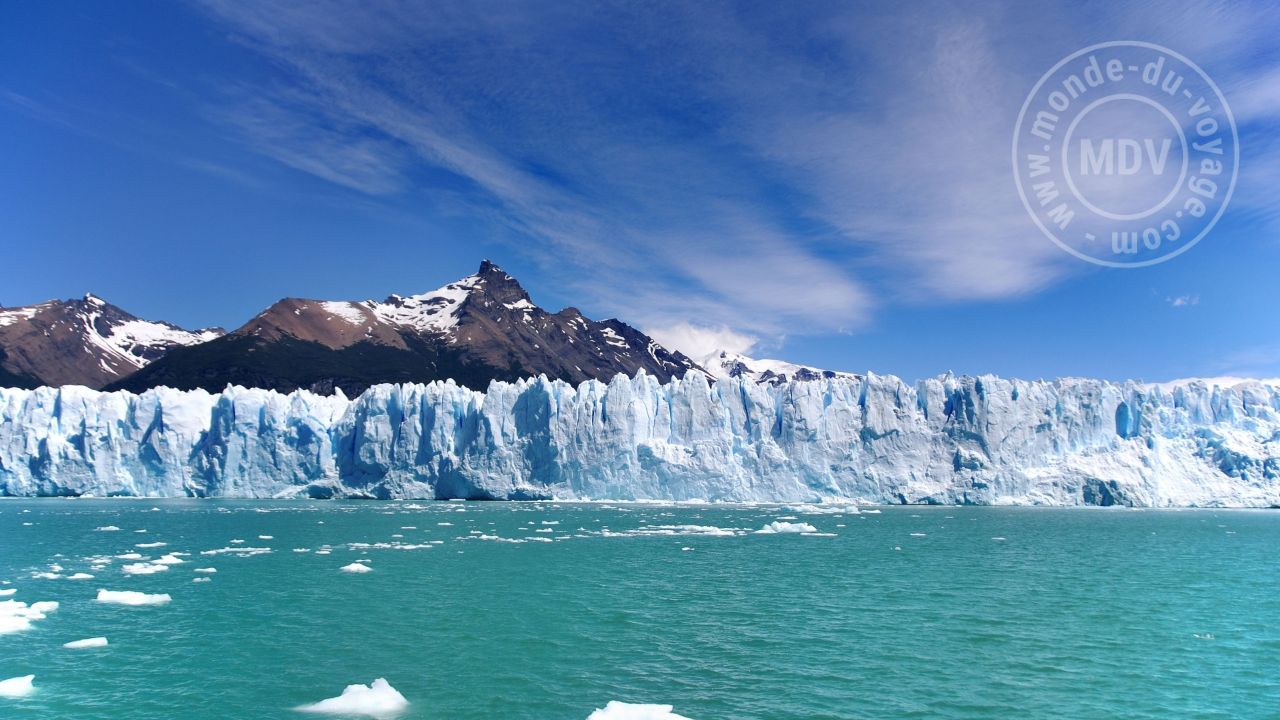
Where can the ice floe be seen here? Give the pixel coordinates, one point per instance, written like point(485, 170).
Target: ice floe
point(143, 568)
point(356, 567)
point(94, 642)
point(131, 597)
point(778, 527)
point(17, 687)
point(107, 528)
point(377, 699)
point(16, 616)
point(628, 711)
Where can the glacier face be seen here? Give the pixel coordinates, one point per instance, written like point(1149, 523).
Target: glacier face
point(876, 439)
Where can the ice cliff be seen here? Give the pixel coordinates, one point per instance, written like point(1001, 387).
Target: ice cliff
point(874, 438)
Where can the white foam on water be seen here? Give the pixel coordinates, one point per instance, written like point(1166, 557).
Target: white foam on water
point(356, 567)
point(777, 528)
point(131, 597)
point(95, 642)
point(17, 687)
point(630, 711)
point(377, 699)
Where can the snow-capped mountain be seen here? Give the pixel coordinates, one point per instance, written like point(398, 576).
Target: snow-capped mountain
point(481, 328)
point(83, 342)
point(724, 364)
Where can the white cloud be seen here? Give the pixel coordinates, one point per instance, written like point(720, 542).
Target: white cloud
point(765, 178)
point(698, 341)
point(1183, 300)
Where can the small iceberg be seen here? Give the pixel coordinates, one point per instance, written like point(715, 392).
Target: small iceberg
point(356, 567)
point(377, 699)
point(96, 642)
point(17, 687)
point(131, 597)
point(779, 527)
point(628, 711)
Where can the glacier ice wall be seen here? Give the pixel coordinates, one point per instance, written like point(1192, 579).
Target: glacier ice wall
point(945, 440)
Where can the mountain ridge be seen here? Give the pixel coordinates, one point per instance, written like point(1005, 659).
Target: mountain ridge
point(480, 328)
point(86, 341)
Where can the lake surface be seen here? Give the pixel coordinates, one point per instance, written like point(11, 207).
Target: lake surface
point(547, 611)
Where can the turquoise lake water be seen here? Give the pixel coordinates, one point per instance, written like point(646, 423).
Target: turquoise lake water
point(913, 612)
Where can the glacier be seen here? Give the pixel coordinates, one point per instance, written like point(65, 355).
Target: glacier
point(871, 439)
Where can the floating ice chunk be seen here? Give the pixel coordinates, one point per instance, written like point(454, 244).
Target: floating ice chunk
point(919, 535)
point(206, 570)
point(45, 575)
point(17, 616)
point(143, 568)
point(17, 687)
point(998, 539)
point(627, 711)
point(107, 528)
point(7, 592)
point(130, 597)
point(356, 567)
point(95, 642)
point(266, 537)
point(775, 528)
point(169, 559)
point(150, 545)
point(201, 579)
point(302, 550)
point(377, 699)
point(80, 576)
point(129, 556)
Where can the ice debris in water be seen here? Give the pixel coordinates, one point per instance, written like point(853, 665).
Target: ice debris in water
point(16, 616)
point(356, 567)
point(377, 699)
point(778, 527)
point(629, 711)
point(131, 597)
point(17, 687)
point(143, 568)
point(95, 642)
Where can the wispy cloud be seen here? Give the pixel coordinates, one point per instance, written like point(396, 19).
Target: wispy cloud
point(1181, 301)
point(764, 172)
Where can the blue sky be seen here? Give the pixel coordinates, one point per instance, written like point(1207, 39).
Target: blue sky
point(825, 183)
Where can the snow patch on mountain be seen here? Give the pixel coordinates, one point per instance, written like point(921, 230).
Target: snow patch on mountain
point(434, 312)
point(724, 364)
